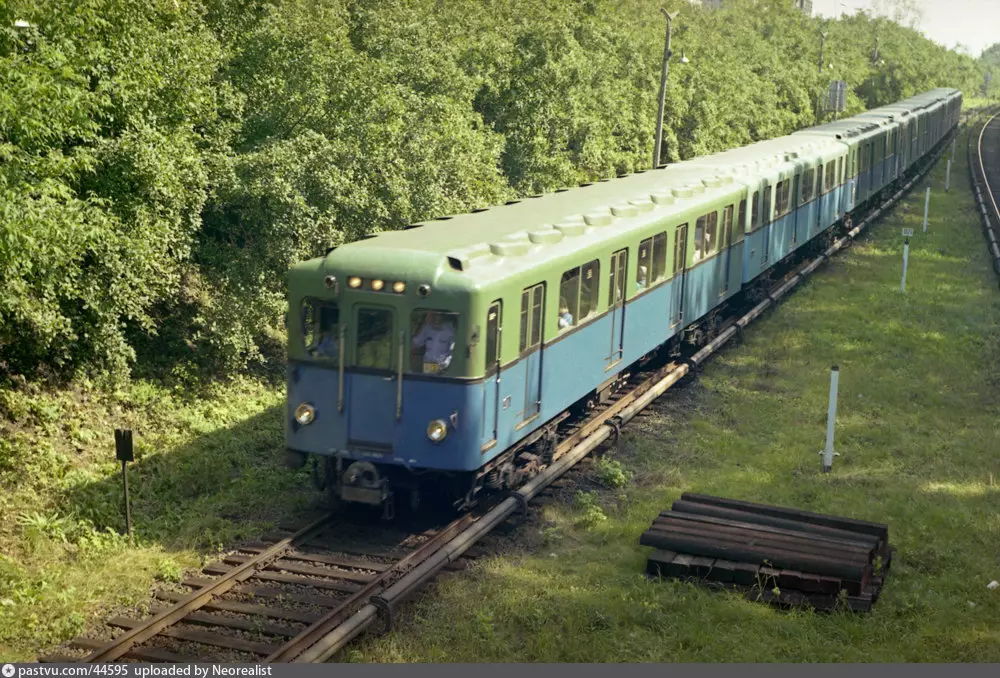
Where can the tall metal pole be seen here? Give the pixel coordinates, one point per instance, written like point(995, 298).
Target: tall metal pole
point(819, 98)
point(663, 89)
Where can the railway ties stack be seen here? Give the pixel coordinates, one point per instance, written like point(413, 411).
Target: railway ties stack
point(776, 554)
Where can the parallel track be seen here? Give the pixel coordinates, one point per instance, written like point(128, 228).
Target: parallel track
point(302, 597)
point(984, 171)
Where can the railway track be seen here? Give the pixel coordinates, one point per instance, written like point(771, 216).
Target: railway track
point(984, 171)
point(303, 595)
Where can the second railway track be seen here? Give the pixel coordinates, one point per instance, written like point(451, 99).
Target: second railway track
point(984, 171)
point(303, 596)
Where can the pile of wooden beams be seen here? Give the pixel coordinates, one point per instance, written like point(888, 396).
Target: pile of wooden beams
point(779, 555)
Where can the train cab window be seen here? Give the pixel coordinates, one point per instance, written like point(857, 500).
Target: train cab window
point(374, 338)
point(321, 329)
point(808, 181)
point(531, 316)
point(432, 342)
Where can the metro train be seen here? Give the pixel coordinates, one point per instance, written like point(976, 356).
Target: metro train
point(442, 357)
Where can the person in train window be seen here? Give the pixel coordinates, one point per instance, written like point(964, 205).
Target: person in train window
point(327, 346)
point(565, 317)
point(437, 339)
point(641, 281)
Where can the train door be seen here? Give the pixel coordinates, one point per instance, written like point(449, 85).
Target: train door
point(532, 321)
point(373, 395)
point(616, 304)
point(680, 271)
point(491, 385)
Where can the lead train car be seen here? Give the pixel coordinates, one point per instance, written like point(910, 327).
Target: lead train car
point(541, 305)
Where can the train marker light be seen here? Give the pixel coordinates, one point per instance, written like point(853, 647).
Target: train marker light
point(399, 287)
point(354, 282)
point(377, 285)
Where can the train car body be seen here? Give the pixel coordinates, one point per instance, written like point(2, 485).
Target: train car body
point(451, 350)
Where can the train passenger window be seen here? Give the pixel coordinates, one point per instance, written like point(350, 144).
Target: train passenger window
point(808, 179)
point(531, 316)
point(589, 288)
point(704, 235)
point(493, 334)
point(741, 220)
point(781, 198)
point(616, 293)
point(727, 228)
point(321, 329)
point(767, 205)
point(645, 263)
point(432, 342)
point(659, 256)
point(680, 248)
point(755, 211)
point(840, 171)
point(831, 176)
point(374, 338)
point(569, 298)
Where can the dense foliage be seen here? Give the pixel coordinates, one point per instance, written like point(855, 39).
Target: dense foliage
point(163, 162)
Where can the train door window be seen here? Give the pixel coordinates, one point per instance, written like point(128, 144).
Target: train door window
point(569, 299)
point(645, 264)
point(531, 316)
point(808, 179)
point(374, 337)
point(321, 329)
point(659, 256)
point(840, 172)
point(493, 316)
point(680, 248)
point(589, 287)
point(727, 228)
point(831, 176)
point(767, 205)
point(782, 198)
point(432, 342)
point(617, 291)
point(741, 220)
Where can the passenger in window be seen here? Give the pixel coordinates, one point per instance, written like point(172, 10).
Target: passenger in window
point(437, 339)
point(565, 317)
point(641, 278)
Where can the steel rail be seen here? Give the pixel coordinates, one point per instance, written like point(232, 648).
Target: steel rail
point(594, 433)
point(979, 183)
point(990, 190)
point(199, 598)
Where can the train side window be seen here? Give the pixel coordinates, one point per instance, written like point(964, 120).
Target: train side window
point(589, 288)
point(569, 298)
point(699, 237)
point(432, 345)
point(741, 220)
point(727, 228)
point(374, 335)
point(659, 256)
point(617, 289)
point(531, 316)
point(680, 248)
point(831, 176)
point(645, 263)
point(493, 334)
point(808, 180)
point(781, 200)
point(321, 329)
point(767, 205)
point(839, 179)
point(755, 211)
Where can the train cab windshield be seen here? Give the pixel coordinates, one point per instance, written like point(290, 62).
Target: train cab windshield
point(432, 342)
point(321, 329)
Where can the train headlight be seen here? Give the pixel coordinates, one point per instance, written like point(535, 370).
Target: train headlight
point(304, 414)
point(377, 285)
point(399, 287)
point(437, 430)
point(354, 282)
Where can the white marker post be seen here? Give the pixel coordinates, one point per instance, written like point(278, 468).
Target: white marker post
point(927, 204)
point(906, 256)
point(828, 454)
point(953, 149)
point(947, 177)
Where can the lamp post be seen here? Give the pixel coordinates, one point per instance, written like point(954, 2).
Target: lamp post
point(663, 89)
point(819, 97)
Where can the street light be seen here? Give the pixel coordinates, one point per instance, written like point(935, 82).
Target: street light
point(663, 87)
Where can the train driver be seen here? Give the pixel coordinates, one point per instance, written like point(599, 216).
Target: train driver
point(328, 333)
point(437, 339)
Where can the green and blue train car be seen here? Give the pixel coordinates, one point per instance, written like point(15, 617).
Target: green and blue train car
point(445, 355)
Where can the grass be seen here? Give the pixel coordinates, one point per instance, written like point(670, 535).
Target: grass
point(206, 474)
point(919, 400)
